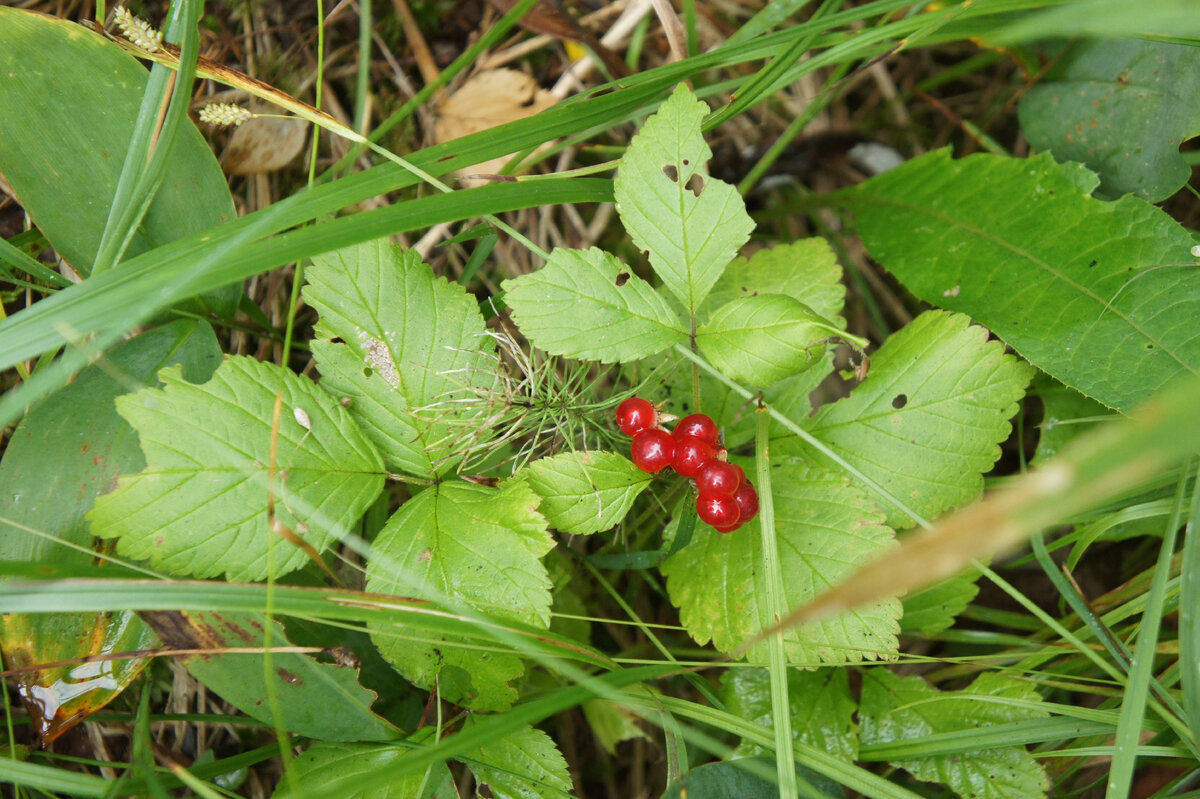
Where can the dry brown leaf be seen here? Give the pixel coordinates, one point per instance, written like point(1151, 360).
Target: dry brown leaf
point(264, 144)
point(491, 98)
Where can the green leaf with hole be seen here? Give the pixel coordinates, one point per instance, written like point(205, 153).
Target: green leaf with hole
point(468, 545)
point(1121, 106)
point(524, 764)
point(1097, 294)
point(820, 703)
point(200, 506)
point(329, 769)
point(62, 158)
point(316, 700)
point(67, 450)
point(765, 338)
point(585, 492)
point(587, 304)
point(927, 422)
point(404, 351)
point(895, 708)
point(691, 224)
point(826, 528)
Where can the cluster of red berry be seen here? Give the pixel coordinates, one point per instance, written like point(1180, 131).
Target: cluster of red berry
point(727, 499)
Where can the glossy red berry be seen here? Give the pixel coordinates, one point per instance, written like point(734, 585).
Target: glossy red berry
point(728, 529)
point(718, 511)
point(719, 479)
point(691, 454)
point(635, 415)
point(698, 425)
point(652, 450)
point(747, 501)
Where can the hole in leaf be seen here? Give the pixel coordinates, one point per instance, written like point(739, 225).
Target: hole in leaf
point(671, 172)
point(686, 162)
point(695, 184)
point(337, 340)
point(1092, 265)
point(899, 401)
point(447, 157)
point(622, 278)
point(368, 371)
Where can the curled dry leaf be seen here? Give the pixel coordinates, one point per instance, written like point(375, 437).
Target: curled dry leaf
point(493, 97)
point(264, 144)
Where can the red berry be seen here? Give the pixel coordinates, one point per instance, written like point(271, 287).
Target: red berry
point(747, 501)
point(635, 415)
point(691, 454)
point(718, 511)
point(699, 425)
point(652, 450)
point(728, 529)
point(719, 479)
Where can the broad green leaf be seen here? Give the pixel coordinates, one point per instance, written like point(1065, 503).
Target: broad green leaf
point(725, 780)
point(907, 708)
point(200, 505)
point(822, 708)
point(524, 764)
point(611, 723)
point(692, 225)
point(1121, 106)
point(806, 270)
point(68, 449)
point(1066, 414)
point(764, 338)
point(1097, 294)
point(328, 767)
point(587, 304)
point(316, 700)
point(405, 348)
point(933, 609)
point(927, 422)
point(585, 492)
point(62, 158)
point(826, 528)
point(472, 545)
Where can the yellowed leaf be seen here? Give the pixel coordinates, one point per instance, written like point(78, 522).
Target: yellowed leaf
point(492, 97)
point(264, 144)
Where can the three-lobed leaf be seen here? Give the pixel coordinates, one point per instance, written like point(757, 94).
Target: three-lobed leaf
point(927, 422)
point(585, 492)
point(1097, 294)
point(895, 708)
point(587, 304)
point(403, 349)
point(826, 528)
point(214, 466)
point(691, 224)
point(471, 546)
point(524, 764)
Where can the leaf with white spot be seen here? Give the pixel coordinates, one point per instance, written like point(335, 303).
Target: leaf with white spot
point(586, 492)
point(691, 224)
point(403, 350)
point(200, 505)
point(826, 528)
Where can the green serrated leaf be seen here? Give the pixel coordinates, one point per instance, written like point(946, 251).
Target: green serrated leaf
point(1066, 414)
point(1099, 295)
point(826, 528)
point(1121, 106)
point(200, 505)
point(521, 765)
point(927, 422)
point(821, 706)
point(587, 304)
point(316, 700)
point(692, 225)
point(907, 708)
point(585, 492)
point(325, 768)
point(411, 348)
point(806, 270)
point(933, 609)
point(477, 546)
point(611, 723)
point(764, 338)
